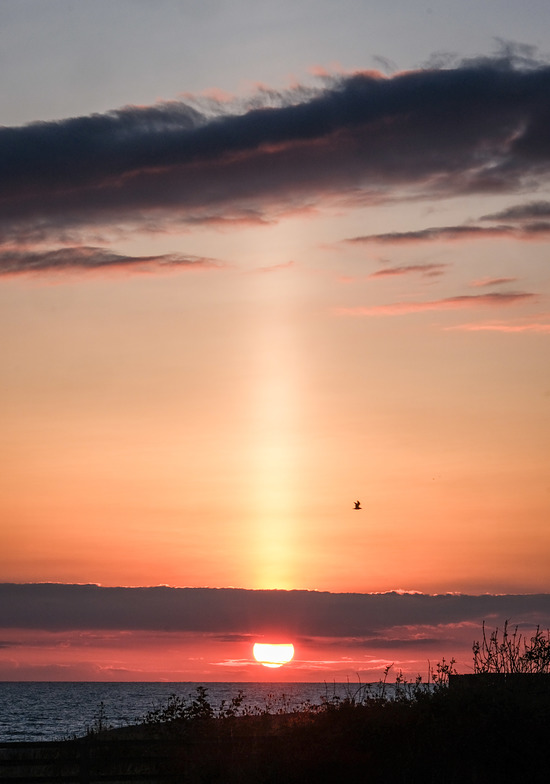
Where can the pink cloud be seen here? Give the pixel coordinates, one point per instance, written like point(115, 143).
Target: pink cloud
point(275, 267)
point(450, 303)
point(427, 270)
point(346, 279)
point(536, 327)
point(482, 282)
point(336, 68)
point(218, 95)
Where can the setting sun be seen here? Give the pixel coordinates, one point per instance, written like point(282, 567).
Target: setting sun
point(273, 654)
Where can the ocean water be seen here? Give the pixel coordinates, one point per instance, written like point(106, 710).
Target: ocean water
point(32, 711)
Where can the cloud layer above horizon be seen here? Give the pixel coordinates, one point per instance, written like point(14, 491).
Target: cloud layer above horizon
point(55, 607)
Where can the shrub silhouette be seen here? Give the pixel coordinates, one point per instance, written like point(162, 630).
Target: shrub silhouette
point(511, 653)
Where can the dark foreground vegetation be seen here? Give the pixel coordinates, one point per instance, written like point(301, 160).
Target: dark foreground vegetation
point(492, 726)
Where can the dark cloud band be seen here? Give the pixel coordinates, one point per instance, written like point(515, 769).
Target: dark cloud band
point(239, 611)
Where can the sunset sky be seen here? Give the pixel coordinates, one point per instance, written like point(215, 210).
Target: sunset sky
point(256, 262)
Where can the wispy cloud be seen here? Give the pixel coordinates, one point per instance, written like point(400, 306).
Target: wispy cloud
point(426, 270)
point(275, 267)
point(529, 231)
point(524, 222)
point(531, 327)
point(533, 210)
point(16, 262)
point(487, 282)
point(449, 303)
point(444, 233)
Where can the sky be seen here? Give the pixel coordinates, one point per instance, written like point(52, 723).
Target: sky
point(258, 262)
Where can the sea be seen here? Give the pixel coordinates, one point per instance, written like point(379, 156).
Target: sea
point(36, 711)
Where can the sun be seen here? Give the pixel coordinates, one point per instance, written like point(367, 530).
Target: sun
point(273, 654)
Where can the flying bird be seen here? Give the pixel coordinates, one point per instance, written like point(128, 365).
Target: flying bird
point(358, 505)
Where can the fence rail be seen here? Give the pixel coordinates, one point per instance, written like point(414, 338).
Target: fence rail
point(91, 761)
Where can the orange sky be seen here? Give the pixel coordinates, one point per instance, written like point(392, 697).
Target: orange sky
point(215, 427)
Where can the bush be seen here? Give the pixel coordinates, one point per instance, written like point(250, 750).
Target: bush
point(502, 652)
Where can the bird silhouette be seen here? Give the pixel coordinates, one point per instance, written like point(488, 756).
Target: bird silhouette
point(357, 505)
